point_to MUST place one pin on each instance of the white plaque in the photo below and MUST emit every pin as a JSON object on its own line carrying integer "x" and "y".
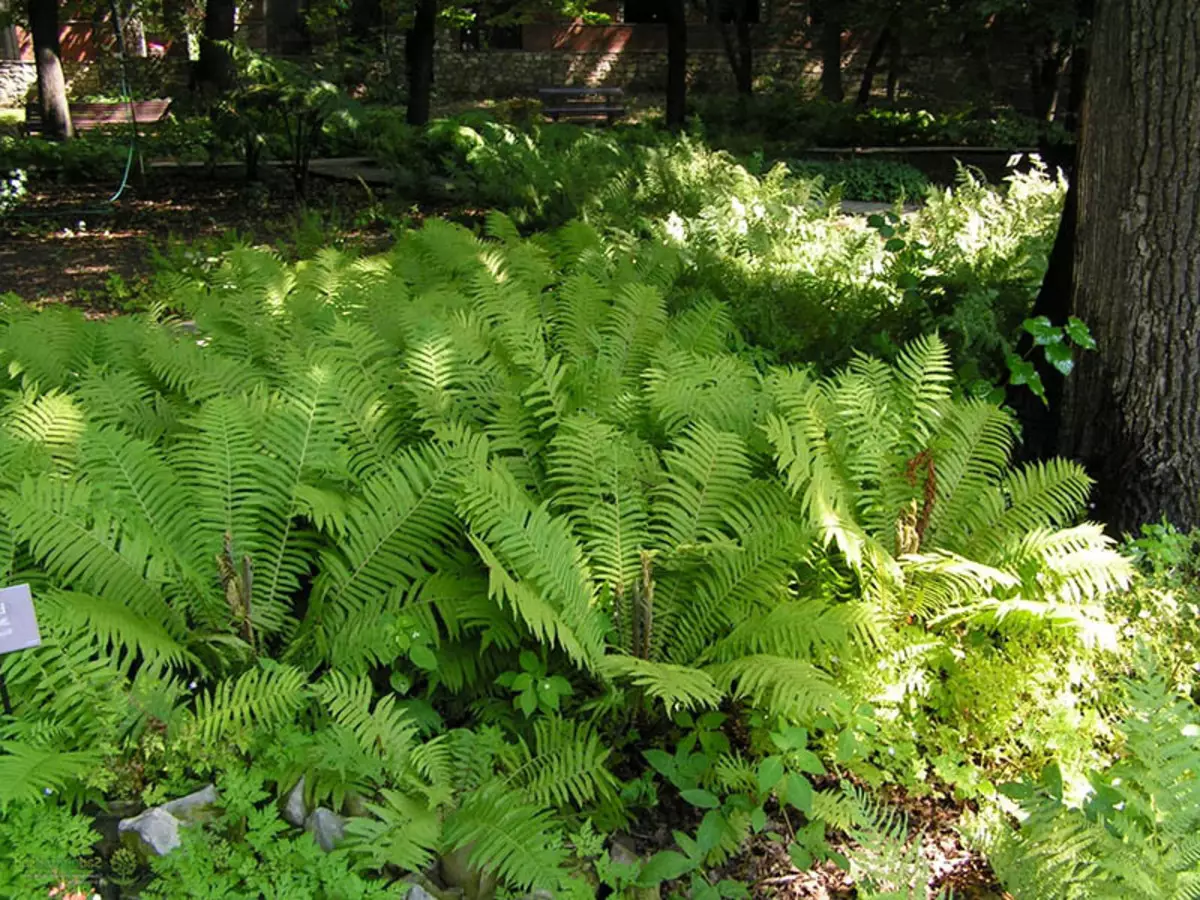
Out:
{"x": 18, "y": 624}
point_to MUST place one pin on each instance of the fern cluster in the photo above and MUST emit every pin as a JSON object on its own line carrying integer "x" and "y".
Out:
{"x": 477, "y": 446}
{"x": 1134, "y": 835}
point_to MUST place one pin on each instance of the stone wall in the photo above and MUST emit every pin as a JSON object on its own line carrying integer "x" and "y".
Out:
{"x": 928, "y": 78}
{"x": 16, "y": 78}
{"x": 508, "y": 73}
{"x": 150, "y": 77}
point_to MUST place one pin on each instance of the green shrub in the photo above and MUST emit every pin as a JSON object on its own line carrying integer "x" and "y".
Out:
{"x": 867, "y": 179}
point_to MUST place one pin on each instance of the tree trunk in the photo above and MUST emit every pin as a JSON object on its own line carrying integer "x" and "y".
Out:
{"x": 175, "y": 26}
{"x": 52, "y": 86}
{"x": 744, "y": 70}
{"x": 1132, "y": 410}
{"x": 1047, "y": 62}
{"x": 868, "y": 76}
{"x": 831, "y": 51}
{"x": 365, "y": 17}
{"x": 215, "y": 71}
{"x": 738, "y": 47}
{"x": 418, "y": 53}
{"x": 9, "y": 47}
{"x": 676, "y": 64}
{"x": 894, "y": 58}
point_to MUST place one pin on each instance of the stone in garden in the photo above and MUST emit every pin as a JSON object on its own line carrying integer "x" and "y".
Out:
{"x": 295, "y": 811}
{"x": 154, "y": 832}
{"x": 457, "y": 872}
{"x": 327, "y": 827}
{"x": 356, "y": 805}
{"x": 194, "y": 806}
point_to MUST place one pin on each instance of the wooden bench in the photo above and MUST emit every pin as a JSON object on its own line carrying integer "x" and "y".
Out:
{"x": 86, "y": 116}
{"x": 582, "y": 103}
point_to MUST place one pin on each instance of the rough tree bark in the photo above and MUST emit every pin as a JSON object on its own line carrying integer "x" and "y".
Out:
{"x": 1132, "y": 410}
{"x": 52, "y": 86}
{"x": 215, "y": 69}
{"x": 418, "y": 55}
{"x": 676, "y": 64}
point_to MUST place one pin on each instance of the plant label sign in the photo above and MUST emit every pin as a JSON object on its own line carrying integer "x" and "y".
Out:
{"x": 18, "y": 624}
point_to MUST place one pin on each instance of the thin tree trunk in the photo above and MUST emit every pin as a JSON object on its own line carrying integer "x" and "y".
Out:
{"x": 9, "y": 48}
{"x": 215, "y": 71}
{"x": 676, "y": 64}
{"x": 868, "y": 77}
{"x": 418, "y": 52}
{"x": 894, "y": 60}
{"x": 134, "y": 33}
{"x": 1047, "y": 62}
{"x": 831, "y": 51}
{"x": 52, "y": 86}
{"x": 1132, "y": 410}
{"x": 737, "y": 43}
{"x": 175, "y": 26}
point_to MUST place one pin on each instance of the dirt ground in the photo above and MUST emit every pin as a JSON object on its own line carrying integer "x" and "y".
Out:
{"x": 67, "y": 243}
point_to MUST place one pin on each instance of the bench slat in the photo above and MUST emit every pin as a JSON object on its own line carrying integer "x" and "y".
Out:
{"x": 85, "y": 116}
{"x": 581, "y": 91}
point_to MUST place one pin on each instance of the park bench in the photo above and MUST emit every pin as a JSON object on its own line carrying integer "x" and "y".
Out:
{"x": 86, "y": 116}
{"x": 582, "y": 103}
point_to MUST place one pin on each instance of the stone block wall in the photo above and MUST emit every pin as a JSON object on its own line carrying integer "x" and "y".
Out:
{"x": 507, "y": 73}
{"x": 16, "y": 78}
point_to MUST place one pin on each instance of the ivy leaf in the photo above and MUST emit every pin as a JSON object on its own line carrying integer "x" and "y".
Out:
{"x": 423, "y": 657}
{"x": 758, "y": 819}
{"x": 770, "y": 770}
{"x": 1052, "y": 780}
{"x": 807, "y": 761}
{"x": 1043, "y": 331}
{"x": 1078, "y": 331}
{"x": 800, "y": 857}
{"x": 800, "y": 793}
{"x": 527, "y": 702}
{"x": 666, "y": 865}
{"x": 701, "y": 798}
{"x": 661, "y": 761}
{"x": 1060, "y": 356}
{"x": 875, "y": 220}
{"x": 1017, "y": 790}
{"x": 522, "y": 682}
{"x": 712, "y": 828}
{"x": 792, "y": 738}
{"x": 895, "y": 245}
{"x": 529, "y": 661}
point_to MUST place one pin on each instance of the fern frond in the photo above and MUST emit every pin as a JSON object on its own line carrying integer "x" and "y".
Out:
{"x": 678, "y": 687}
{"x": 258, "y": 698}
{"x": 26, "y": 771}
{"x": 509, "y": 836}
{"x": 786, "y": 687}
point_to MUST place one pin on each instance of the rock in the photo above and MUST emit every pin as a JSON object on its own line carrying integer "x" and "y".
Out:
{"x": 621, "y": 852}
{"x": 326, "y": 826}
{"x": 457, "y": 872}
{"x": 355, "y": 805}
{"x": 295, "y": 811}
{"x": 194, "y": 806}
{"x": 154, "y": 832}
